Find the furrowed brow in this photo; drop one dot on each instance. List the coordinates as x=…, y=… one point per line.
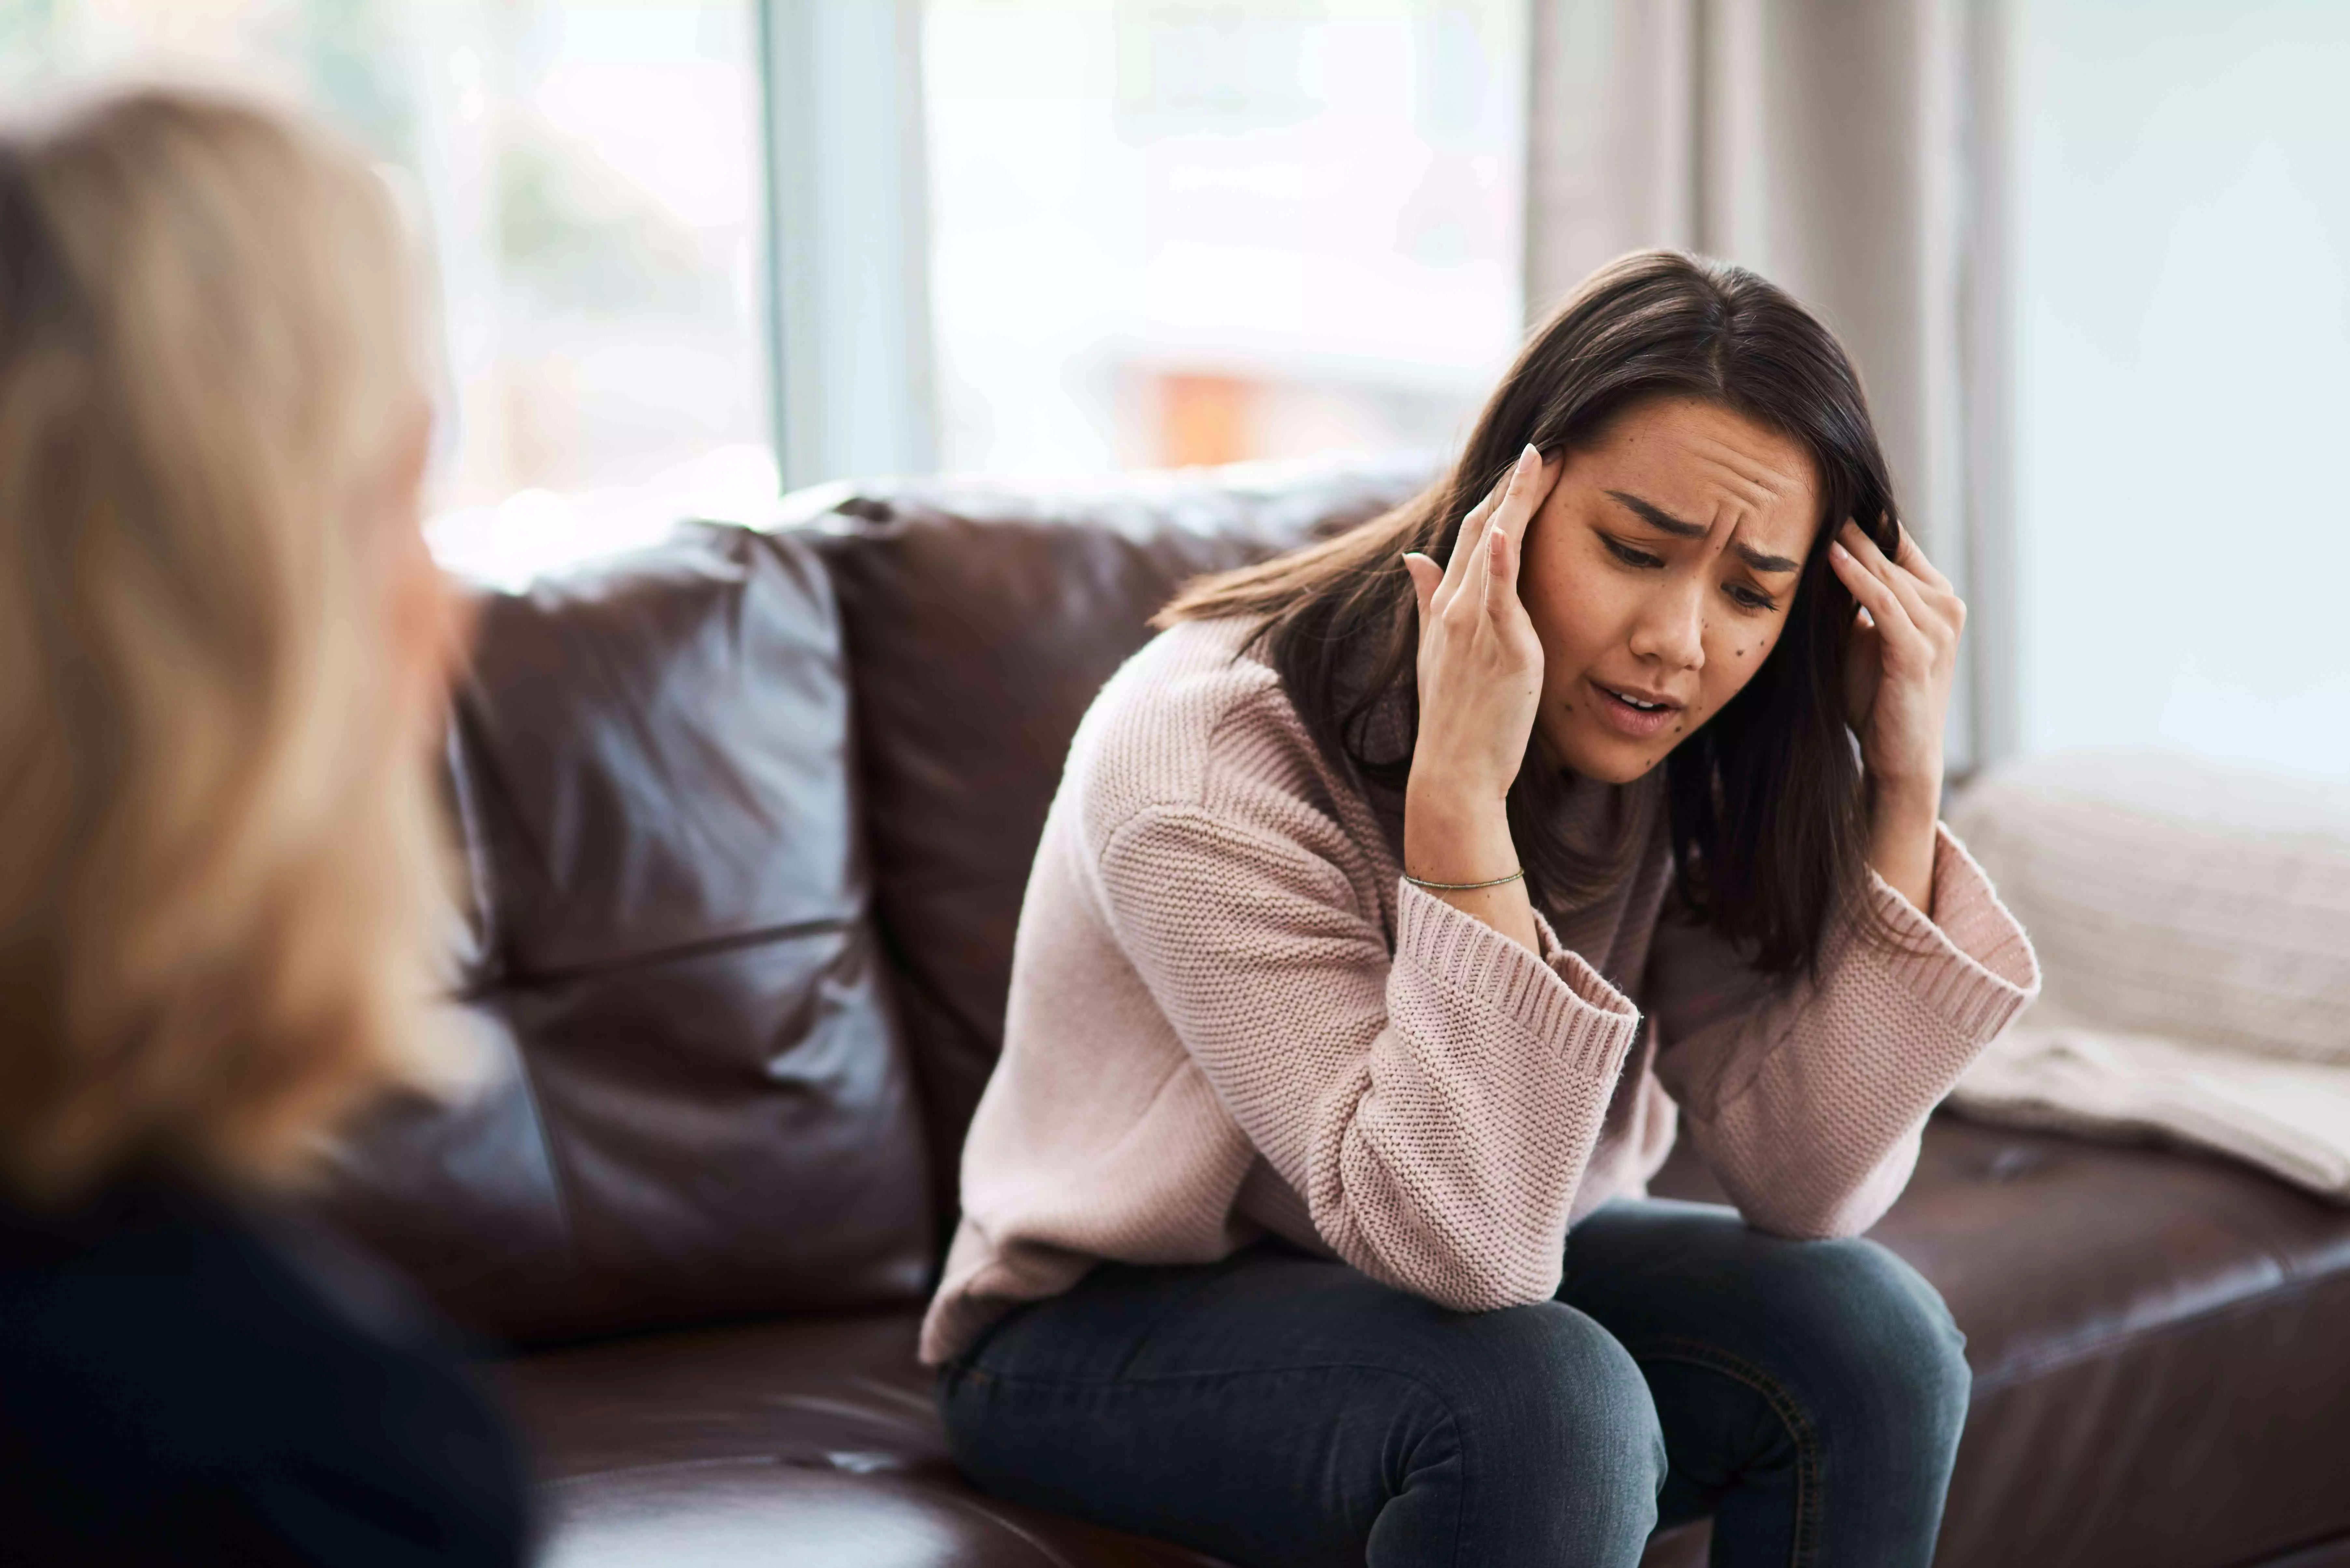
x=1762, y=561
x=1656, y=517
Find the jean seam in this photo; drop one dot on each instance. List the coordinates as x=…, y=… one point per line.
x=1712, y=1358
x=1452, y=1423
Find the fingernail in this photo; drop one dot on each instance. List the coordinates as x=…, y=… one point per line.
x=1838, y=551
x=1531, y=457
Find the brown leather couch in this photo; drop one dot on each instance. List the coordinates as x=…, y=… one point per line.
x=747, y=818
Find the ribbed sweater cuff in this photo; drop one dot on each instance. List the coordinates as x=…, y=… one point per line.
x=1971, y=963
x=1556, y=998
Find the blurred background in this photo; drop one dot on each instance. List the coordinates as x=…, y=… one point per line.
x=690, y=254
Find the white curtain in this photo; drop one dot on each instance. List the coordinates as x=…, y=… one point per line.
x=1854, y=151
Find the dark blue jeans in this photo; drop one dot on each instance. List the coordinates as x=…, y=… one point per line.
x=1277, y=1409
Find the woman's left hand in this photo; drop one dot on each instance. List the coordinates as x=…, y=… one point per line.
x=1903, y=657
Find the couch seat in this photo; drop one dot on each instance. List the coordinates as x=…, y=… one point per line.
x=2160, y=1363
x=812, y=1440
x=2161, y=1374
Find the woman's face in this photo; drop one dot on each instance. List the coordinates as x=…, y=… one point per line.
x=1658, y=575
x=426, y=623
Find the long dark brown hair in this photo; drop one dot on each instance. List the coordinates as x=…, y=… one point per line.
x=1767, y=810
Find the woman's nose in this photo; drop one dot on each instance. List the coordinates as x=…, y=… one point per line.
x=1672, y=627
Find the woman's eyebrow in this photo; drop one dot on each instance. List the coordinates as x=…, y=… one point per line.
x=1656, y=517
x=1765, y=563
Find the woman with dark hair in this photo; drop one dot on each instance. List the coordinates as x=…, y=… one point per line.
x=1400, y=902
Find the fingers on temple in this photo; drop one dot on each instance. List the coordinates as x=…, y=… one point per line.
x=1910, y=556
x=1531, y=482
x=1484, y=508
x=1500, y=571
x=1927, y=590
x=1426, y=575
x=1911, y=590
x=1874, y=593
x=1489, y=534
x=1470, y=537
x=1479, y=581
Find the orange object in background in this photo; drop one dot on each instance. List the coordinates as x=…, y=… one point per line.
x=1206, y=419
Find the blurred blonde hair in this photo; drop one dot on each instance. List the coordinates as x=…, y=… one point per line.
x=219, y=853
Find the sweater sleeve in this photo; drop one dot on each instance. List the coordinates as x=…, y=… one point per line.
x=1435, y=1106
x=1807, y=1100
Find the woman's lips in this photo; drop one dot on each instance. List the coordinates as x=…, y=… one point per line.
x=1622, y=716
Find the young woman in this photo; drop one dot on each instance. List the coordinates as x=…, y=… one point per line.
x=1399, y=900
x=223, y=652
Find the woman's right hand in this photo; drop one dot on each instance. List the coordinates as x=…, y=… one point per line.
x=1479, y=672
x=1481, y=664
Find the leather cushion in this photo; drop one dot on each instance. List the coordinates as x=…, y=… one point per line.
x=981, y=620
x=2160, y=1374
x=2159, y=1379
x=813, y=1441
x=698, y=1105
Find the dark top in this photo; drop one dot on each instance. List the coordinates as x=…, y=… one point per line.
x=184, y=1380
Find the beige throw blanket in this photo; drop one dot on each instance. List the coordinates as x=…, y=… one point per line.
x=2193, y=925
x=2289, y=1117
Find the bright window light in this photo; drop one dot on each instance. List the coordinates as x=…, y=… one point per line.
x=1175, y=231
x=2181, y=534
x=587, y=173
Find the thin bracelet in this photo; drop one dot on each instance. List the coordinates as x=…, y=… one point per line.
x=1462, y=886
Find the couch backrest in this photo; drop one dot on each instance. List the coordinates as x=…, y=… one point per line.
x=698, y=1105
x=981, y=618
x=732, y=1067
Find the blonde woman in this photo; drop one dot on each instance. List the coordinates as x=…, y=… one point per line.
x=222, y=646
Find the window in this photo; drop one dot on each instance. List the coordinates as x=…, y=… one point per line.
x=588, y=174
x=1186, y=231
x=1143, y=231
x=2182, y=540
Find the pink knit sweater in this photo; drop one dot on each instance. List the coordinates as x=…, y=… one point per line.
x=1230, y=1014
